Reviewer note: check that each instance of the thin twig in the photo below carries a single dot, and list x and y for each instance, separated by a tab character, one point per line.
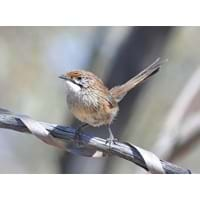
170	136
140	157
188	138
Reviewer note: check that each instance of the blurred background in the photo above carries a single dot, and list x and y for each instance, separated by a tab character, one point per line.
162	115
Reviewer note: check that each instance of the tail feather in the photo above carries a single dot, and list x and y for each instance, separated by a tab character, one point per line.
119	92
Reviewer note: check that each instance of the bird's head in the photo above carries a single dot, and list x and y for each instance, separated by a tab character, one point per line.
80	79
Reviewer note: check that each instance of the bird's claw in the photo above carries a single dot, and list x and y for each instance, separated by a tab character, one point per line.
77	137
111	141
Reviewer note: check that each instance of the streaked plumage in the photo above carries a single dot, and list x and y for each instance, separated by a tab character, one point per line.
92	102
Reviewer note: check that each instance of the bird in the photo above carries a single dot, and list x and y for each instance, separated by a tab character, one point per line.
92	103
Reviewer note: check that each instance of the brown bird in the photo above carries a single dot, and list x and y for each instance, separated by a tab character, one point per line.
93	103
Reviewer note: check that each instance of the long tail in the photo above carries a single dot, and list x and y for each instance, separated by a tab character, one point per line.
119	92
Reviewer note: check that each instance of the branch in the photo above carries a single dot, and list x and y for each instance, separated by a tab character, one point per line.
175	133
59	136
189	135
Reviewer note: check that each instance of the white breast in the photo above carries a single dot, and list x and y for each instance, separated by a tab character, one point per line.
73	94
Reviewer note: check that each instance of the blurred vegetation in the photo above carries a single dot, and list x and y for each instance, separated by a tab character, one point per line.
31	58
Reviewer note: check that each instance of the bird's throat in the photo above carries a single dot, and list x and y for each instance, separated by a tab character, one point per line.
72	87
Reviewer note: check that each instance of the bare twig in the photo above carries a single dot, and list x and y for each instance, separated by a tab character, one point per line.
173	137
189	137
57	135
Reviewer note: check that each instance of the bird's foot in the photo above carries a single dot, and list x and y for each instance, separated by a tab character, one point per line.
111	141
77	137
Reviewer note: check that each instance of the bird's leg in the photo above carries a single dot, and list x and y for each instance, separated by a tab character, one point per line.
78	130
111	139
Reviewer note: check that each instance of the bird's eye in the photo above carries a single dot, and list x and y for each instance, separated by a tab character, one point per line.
79	78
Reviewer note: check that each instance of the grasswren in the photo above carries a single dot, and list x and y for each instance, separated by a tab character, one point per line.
93	103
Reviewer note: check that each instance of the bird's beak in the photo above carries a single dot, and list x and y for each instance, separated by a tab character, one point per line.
63	77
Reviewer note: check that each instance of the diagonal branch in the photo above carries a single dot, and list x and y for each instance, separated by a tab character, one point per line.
179	133
58	135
